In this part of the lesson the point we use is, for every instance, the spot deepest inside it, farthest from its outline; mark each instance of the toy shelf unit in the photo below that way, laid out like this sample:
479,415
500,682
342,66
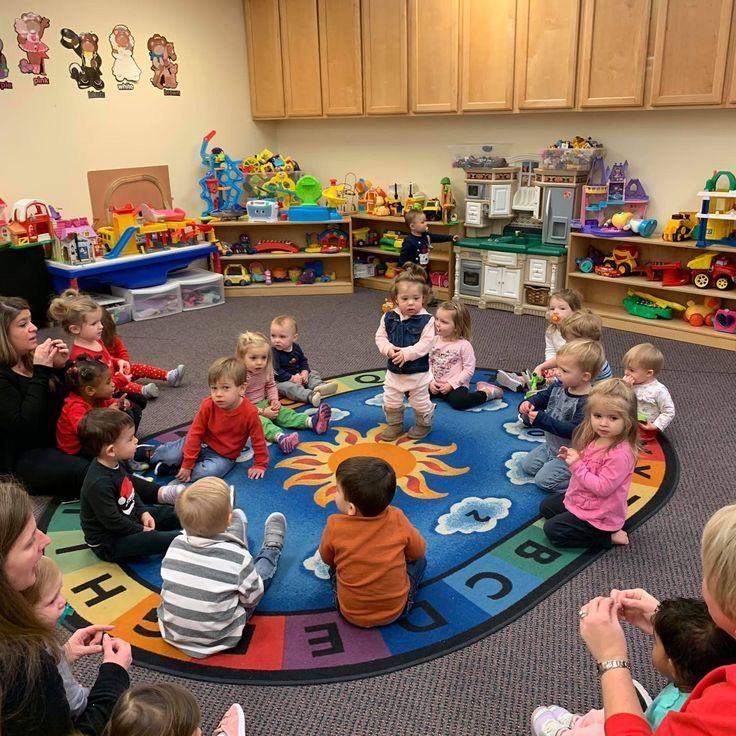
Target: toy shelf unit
717,216
376,248
678,279
284,258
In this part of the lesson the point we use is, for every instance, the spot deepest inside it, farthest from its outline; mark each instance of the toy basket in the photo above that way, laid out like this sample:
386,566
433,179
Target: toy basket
569,159
478,156
537,296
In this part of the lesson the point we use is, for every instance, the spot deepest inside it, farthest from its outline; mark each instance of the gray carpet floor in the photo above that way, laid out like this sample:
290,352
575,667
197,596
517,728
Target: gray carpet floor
492,686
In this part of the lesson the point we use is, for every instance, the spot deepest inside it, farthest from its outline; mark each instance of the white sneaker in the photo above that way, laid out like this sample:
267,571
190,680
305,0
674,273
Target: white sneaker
175,376
150,391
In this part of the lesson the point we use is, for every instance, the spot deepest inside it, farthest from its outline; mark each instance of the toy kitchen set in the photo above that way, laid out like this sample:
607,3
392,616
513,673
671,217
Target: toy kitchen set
518,215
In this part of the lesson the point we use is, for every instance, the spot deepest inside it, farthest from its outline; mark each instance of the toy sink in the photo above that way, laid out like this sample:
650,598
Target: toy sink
518,242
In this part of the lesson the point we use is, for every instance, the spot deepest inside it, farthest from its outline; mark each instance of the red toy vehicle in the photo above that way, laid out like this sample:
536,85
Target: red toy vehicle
713,269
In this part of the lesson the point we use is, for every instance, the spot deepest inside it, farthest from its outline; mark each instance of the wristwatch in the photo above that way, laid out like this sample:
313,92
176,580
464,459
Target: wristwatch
613,664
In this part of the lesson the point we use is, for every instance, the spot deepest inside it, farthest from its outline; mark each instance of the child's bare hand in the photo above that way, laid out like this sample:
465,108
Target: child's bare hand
184,475
445,387
149,524
296,379
305,377
275,405
539,370
434,388
629,380
533,415
269,412
569,454
649,427
254,473
399,358
455,238
124,367
525,407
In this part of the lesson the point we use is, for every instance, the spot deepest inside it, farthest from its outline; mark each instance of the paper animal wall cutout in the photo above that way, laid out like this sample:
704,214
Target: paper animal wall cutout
30,28
163,56
124,68
88,72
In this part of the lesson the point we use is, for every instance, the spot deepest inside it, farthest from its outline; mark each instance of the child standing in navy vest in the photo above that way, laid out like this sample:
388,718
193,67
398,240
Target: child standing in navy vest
405,337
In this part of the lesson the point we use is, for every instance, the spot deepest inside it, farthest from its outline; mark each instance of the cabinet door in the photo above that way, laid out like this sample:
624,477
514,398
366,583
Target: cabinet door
511,283
500,200
339,47
384,57
263,37
690,49
613,52
546,53
492,280
433,54
487,70
300,54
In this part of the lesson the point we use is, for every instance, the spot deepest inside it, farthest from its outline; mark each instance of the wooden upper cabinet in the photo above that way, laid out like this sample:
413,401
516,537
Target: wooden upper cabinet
263,37
690,50
433,54
488,37
613,52
300,54
385,78
546,53
339,48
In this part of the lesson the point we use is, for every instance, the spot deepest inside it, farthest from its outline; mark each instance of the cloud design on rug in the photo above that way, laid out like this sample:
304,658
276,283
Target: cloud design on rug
522,432
473,514
317,566
337,415
515,472
493,405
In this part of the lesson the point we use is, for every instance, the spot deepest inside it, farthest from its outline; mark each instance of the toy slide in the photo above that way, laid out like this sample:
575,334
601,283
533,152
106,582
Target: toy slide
120,245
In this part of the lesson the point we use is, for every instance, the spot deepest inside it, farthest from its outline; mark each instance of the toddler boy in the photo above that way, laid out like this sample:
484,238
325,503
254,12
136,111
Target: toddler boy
416,245
585,325
294,378
642,365
375,555
220,429
199,613
558,410
116,525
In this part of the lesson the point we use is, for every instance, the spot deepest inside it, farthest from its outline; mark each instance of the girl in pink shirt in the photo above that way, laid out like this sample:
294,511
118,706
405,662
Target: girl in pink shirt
452,360
592,512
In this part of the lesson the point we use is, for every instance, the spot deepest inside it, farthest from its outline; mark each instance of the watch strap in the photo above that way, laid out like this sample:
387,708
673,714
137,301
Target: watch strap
613,664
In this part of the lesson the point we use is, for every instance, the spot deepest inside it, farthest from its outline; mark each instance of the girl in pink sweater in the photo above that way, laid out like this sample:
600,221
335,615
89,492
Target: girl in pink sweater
452,360
592,512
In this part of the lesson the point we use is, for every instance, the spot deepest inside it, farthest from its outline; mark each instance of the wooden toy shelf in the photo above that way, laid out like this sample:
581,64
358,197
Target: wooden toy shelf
341,264
604,295
441,256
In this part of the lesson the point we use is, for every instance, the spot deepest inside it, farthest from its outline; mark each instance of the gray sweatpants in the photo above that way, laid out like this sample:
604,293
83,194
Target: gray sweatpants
298,391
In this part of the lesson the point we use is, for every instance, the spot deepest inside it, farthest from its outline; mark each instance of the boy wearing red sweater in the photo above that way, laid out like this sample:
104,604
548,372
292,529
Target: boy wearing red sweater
223,424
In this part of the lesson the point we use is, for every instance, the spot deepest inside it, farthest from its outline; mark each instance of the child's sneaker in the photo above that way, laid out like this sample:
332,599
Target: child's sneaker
545,724
136,467
287,442
175,376
168,494
274,530
320,421
143,453
567,719
511,381
150,391
162,469
326,389
315,398
491,391
232,723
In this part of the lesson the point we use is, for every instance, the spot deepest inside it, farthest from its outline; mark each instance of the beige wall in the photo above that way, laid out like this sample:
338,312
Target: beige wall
52,135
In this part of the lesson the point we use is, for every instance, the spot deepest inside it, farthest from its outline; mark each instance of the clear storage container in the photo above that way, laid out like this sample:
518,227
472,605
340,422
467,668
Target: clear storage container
153,301
199,288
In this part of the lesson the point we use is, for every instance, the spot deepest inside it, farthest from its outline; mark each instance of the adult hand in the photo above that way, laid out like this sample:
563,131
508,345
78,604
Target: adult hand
45,353
601,630
184,475
117,651
62,354
255,472
149,523
636,607
84,641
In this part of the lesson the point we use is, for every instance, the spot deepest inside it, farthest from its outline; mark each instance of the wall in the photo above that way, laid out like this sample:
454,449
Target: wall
672,151
52,135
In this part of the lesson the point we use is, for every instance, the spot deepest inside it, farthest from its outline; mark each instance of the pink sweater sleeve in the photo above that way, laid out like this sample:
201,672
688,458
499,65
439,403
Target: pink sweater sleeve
421,348
616,469
272,392
382,341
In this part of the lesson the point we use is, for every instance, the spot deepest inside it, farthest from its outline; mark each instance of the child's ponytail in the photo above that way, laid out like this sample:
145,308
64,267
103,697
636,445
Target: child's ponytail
70,308
85,371
411,274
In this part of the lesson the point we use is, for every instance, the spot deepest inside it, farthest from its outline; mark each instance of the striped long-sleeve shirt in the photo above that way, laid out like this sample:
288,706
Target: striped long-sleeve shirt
210,589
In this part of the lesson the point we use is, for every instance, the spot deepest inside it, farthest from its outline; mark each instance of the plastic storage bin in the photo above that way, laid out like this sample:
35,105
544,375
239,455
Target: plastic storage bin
478,155
153,301
118,308
569,159
199,288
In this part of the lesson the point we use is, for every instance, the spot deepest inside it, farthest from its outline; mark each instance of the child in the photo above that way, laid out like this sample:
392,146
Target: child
558,410
81,316
687,646
294,378
452,360
591,513
90,386
642,365
223,424
254,352
584,325
405,337
166,709
116,347
199,614
116,525
416,246
375,555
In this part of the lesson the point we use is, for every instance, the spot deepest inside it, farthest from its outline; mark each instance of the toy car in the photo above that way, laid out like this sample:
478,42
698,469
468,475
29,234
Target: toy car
608,271
702,314
593,259
433,210
236,275
363,236
714,269
623,259
679,227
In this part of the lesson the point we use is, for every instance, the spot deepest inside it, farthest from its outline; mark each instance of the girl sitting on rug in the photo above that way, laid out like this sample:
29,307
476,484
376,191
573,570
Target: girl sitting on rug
452,360
591,513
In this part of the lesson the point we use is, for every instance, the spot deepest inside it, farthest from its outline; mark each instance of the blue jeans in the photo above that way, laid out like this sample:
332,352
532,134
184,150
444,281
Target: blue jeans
208,462
550,473
267,559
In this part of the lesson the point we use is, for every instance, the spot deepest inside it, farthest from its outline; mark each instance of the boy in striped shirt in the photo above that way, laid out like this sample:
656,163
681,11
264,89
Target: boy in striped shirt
211,583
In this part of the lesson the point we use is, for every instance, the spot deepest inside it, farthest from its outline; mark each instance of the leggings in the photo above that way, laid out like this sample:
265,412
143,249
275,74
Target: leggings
462,398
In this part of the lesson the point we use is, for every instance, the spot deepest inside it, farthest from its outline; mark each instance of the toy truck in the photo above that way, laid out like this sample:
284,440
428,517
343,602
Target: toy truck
713,269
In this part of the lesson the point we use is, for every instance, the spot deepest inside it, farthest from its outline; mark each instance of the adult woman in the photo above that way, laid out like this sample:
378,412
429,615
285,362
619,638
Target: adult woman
711,707
32,697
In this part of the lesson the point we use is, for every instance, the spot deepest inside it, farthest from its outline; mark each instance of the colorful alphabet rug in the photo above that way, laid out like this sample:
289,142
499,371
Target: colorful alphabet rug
488,559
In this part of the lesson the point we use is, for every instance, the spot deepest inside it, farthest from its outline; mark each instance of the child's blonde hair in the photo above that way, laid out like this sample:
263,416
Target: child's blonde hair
204,508
646,356
582,325
572,297
48,574
71,308
160,709
248,340
411,216
412,274
284,319
613,396
227,368
587,354
718,552
460,318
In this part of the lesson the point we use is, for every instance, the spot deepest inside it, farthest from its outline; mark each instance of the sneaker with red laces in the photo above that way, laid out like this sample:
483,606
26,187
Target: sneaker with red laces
287,442
232,723
321,419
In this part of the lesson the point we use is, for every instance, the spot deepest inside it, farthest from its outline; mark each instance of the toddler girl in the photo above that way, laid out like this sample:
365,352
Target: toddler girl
119,353
642,365
90,387
405,337
452,360
254,350
591,513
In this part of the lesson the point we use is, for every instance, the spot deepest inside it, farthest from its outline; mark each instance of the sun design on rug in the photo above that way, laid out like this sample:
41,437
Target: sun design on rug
410,459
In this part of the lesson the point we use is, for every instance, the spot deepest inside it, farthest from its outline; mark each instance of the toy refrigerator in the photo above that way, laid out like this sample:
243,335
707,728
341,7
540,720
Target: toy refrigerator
560,206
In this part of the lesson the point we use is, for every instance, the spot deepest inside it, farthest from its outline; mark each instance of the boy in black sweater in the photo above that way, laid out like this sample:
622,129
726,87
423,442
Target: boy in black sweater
116,525
416,245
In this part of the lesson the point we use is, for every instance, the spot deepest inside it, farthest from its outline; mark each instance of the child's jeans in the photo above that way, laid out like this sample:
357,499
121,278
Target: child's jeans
267,559
550,473
286,418
208,462
140,544
300,391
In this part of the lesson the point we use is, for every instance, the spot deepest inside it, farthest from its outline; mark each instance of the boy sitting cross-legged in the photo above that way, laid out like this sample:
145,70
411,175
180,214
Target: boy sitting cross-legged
203,612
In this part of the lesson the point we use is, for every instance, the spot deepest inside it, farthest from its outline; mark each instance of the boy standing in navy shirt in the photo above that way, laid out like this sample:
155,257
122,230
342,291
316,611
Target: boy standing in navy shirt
416,245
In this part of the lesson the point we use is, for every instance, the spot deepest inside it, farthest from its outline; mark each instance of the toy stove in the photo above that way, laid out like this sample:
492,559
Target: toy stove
470,273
